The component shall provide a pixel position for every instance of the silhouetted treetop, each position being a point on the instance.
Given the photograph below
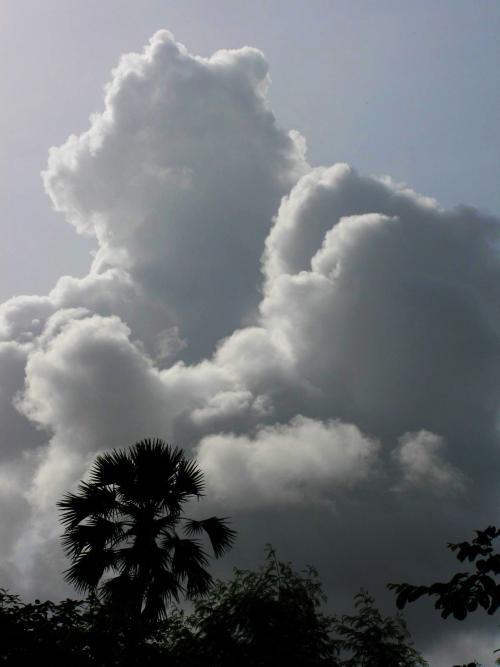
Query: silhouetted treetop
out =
(374, 640)
(465, 591)
(122, 530)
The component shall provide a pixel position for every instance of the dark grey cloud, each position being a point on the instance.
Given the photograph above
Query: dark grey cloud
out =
(327, 343)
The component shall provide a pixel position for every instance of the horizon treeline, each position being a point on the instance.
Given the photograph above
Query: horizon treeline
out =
(136, 556)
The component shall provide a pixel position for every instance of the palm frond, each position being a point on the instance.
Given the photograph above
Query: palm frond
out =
(164, 588)
(189, 480)
(220, 535)
(100, 533)
(112, 468)
(156, 464)
(89, 501)
(121, 591)
(154, 449)
(123, 521)
(185, 554)
(143, 557)
(88, 569)
(198, 582)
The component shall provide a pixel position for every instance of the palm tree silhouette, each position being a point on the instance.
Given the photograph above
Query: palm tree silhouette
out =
(124, 522)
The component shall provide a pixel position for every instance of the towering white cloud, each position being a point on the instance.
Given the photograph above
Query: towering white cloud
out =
(327, 343)
(178, 179)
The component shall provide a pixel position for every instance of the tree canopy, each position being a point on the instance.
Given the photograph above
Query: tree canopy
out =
(126, 536)
(465, 591)
(269, 616)
(136, 556)
(374, 640)
(276, 616)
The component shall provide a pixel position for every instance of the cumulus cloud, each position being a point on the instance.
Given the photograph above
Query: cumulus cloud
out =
(18, 434)
(287, 462)
(178, 178)
(388, 299)
(77, 382)
(326, 342)
(420, 457)
(23, 317)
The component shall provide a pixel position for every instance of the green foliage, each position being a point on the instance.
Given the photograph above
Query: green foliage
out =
(465, 592)
(271, 616)
(42, 631)
(375, 641)
(80, 633)
(121, 530)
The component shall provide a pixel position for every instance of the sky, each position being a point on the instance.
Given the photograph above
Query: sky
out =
(267, 232)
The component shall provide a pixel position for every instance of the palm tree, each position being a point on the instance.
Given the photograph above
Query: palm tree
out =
(121, 530)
